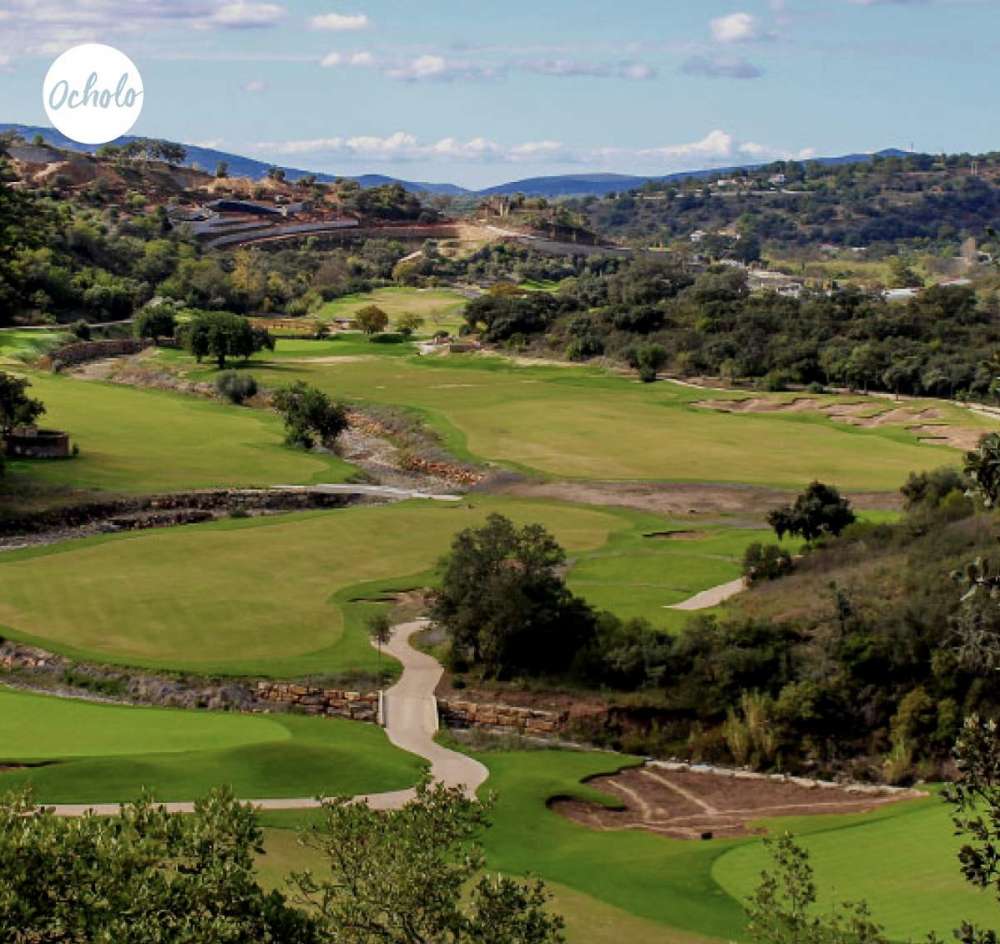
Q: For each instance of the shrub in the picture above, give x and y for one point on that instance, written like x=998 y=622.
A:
x=80 y=330
x=766 y=562
x=236 y=387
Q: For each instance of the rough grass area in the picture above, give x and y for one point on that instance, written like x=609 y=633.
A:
x=24 y=346
x=590 y=424
x=104 y=753
x=149 y=440
x=289 y=595
x=441 y=308
x=588 y=920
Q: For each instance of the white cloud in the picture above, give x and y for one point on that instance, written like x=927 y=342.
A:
x=437 y=68
x=721 y=67
x=340 y=22
x=332 y=59
x=243 y=14
x=362 y=59
x=255 y=87
x=572 y=68
x=734 y=28
x=718 y=148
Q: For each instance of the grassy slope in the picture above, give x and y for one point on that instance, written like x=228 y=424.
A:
x=902 y=860
x=110 y=752
x=588 y=920
x=587 y=423
x=441 y=308
x=285 y=596
x=147 y=440
x=246 y=596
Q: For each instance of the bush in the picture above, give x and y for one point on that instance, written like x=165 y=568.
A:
x=236 y=387
x=309 y=413
x=766 y=562
x=80 y=330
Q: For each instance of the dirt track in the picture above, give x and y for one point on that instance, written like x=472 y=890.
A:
x=689 y=805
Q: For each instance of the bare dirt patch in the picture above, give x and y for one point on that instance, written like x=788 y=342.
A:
x=676 y=498
x=684 y=804
x=677 y=535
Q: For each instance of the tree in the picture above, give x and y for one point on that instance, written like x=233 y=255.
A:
x=402 y=877
x=222 y=169
x=155 y=321
x=144 y=875
x=975 y=801
x=982 y=466
x=819 y=510
x=380 y=632
x=16 y=407
x=503 y=602
x=309 y=413
x=647 y=359
x=408 y=323
x=371 y=319
x=780 y=910
x=222 y=334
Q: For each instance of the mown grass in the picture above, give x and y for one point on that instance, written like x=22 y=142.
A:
x=590 y=424
x=289 y=595
x=107 y=753
x=251 y=596
x=441 y=308
x=149 y=440
x=901 y=858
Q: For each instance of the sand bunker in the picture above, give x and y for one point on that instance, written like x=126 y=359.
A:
x=865 y=415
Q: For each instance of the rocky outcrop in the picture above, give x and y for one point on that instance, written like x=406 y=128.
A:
x=505 y=718
x=358 y=706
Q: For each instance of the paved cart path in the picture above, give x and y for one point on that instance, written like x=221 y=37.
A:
x=410 y=715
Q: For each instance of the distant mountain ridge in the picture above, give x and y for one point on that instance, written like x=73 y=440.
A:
x=559 y=185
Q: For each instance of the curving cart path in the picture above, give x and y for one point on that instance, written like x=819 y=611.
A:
x=410 y=719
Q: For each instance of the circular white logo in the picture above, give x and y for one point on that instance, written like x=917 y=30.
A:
x=93 y=93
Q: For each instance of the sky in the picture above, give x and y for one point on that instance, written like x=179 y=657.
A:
x=478 y=92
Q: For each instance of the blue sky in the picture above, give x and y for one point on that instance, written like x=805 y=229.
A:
x=483 y=92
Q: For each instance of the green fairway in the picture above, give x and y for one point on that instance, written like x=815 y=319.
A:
x=586 y=423
x=148 y=440
x=104 y=753
x=255 y=596
x=903 y=860
x=285 y=596
x=900 y=858
x=441 y=308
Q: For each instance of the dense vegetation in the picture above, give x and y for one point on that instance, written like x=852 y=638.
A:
x=708 y=323
x=148 y=876
x=924 y=200
x=881 y=663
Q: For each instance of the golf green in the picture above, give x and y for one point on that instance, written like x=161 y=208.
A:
x=71 y=751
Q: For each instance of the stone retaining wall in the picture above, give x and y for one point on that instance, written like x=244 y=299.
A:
x=358 y=706
x=177 y=508
x=83 y=351
x=469 y=714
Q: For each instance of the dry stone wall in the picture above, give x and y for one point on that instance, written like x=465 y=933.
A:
x=358 y=706
x=495 y=717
